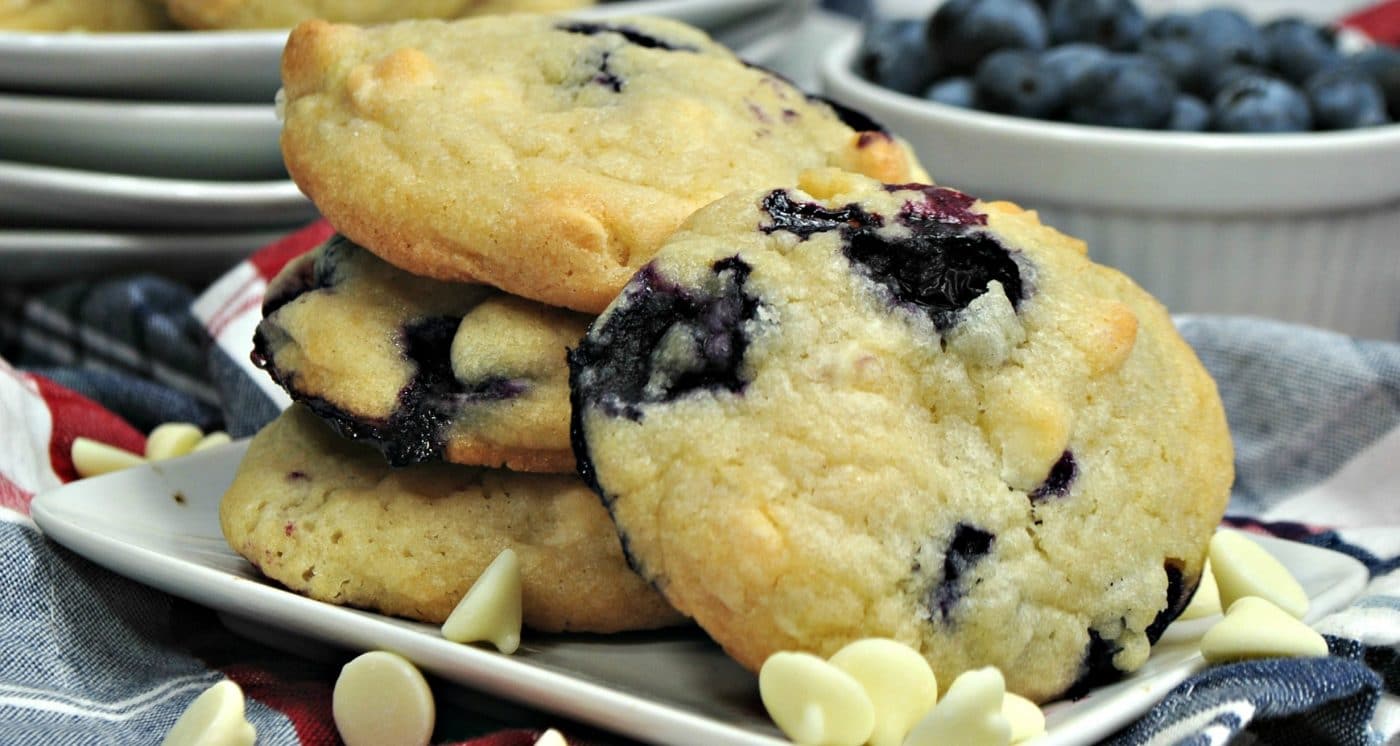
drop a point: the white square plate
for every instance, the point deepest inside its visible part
(159, 525)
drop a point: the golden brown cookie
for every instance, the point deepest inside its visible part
(544, 156)
(327, 517)
(856, 410)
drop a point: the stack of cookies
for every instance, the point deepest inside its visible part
(495, 183)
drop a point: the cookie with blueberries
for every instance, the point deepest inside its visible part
(853, 409)
(423, 370)
(328, 518)
(548, 157)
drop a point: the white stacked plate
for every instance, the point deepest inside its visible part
(118, 149)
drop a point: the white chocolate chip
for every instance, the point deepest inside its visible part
(1256, 628)
(212, 439)
(814, 702)
(1024, 716)
(551, 737)
(215, 718)
(91, 458)
(969, 714)
(1243, 568)
(1206, 601)
(898, 680)
(172, 439)
(381, 699)
(491, 610)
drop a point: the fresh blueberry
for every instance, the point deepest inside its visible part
(1383, 65)
(1225, 36)
(1345, 98)
(1012, 81)
(1189, 114)
(963, 32)
(1218, 79)
(1299, 49)
(958, 90)
(1179, 59)
(1168, 40)
(894, 53)
(1174, 26)
(1113, 24)
(1123, 91)
(1260, 104)
(1070, 62)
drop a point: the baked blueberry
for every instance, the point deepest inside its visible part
(421, 369)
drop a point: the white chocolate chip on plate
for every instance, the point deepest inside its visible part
(172, 439)
(212, 439)
(1256, 628)
(1024, 716)
(215, 718)
(92, 458)
(1243, 568)
(381, 699)
(814, 702)
(491, 610)
(551, 737)
(898, 680)
(1206, 601)
(970, 713)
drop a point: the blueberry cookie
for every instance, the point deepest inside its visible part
(327, 517)
(853, 410)
(421, 369)
(544, 156)
(247, 14)
(82, 15)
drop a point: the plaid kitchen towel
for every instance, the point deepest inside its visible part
(99, 659)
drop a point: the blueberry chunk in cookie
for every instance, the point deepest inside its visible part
(421, 369)
(849, 409)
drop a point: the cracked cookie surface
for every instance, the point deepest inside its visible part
(421, 369)
(547, 157)
(327, 517)
(854, 410)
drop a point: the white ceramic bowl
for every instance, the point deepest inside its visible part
(1300, 227)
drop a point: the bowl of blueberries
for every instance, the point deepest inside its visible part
(1228, 161)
